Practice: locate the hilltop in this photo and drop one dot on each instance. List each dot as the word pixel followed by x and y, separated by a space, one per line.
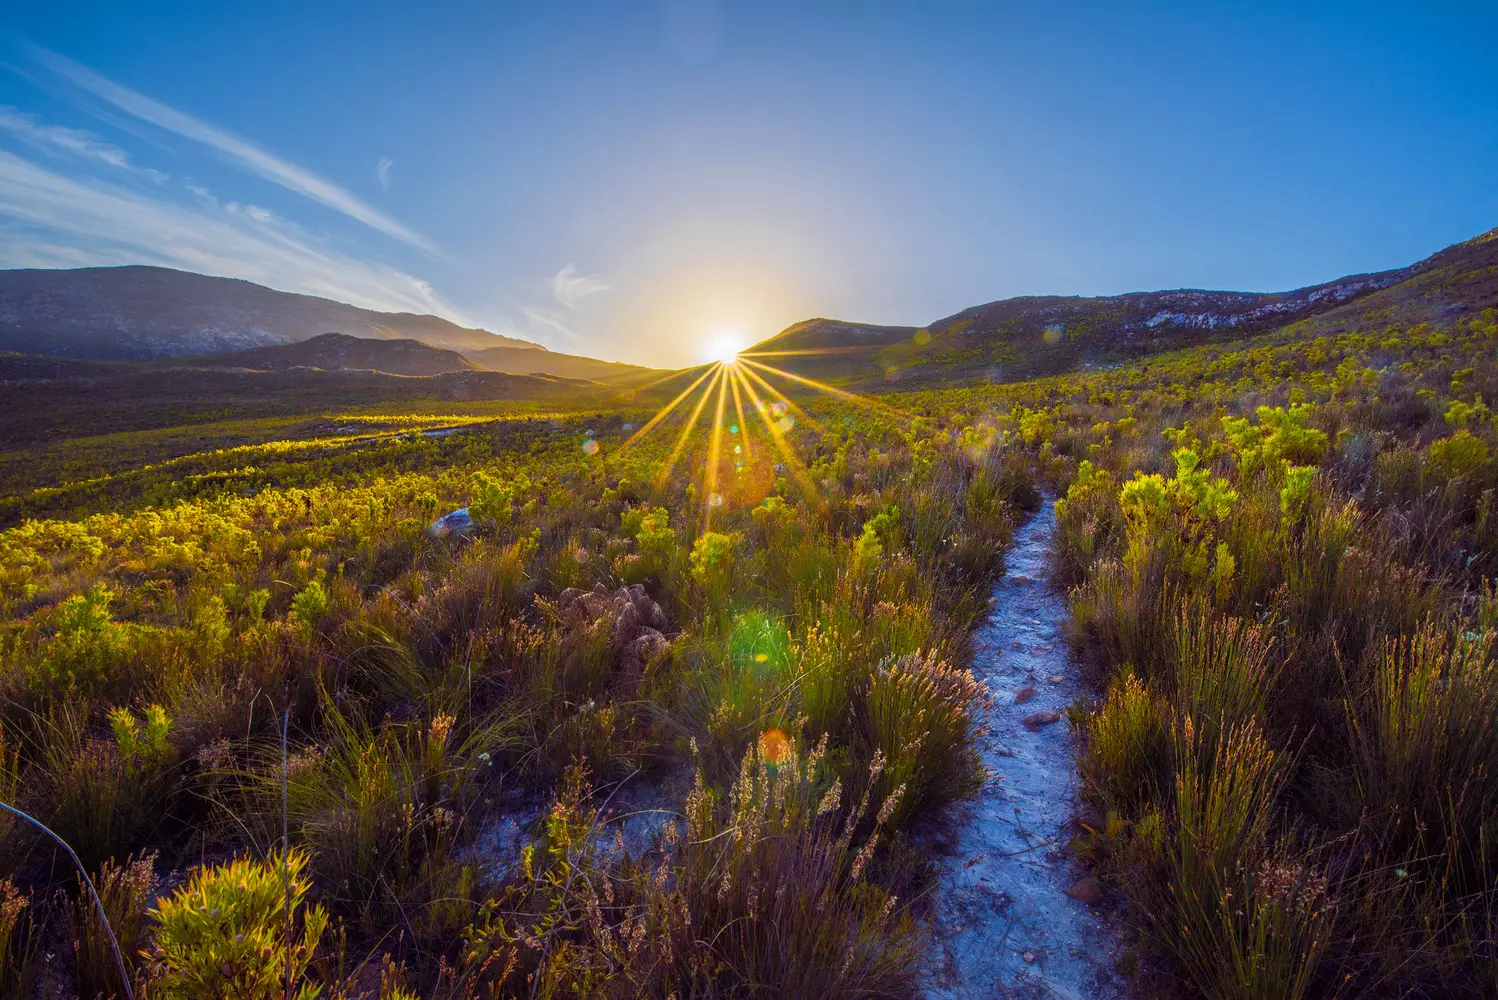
pixel 520 361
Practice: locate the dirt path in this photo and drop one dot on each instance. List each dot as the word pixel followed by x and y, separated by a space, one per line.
pixel 1006 926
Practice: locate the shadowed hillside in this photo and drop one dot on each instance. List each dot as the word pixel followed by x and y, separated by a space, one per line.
pixel 36 410
pixel 340 352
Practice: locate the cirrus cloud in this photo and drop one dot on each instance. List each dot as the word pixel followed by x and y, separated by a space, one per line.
pixel 570 288
pixel 48 219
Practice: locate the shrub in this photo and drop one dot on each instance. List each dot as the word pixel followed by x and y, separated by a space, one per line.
pixel 712 565
pixel 310 605
pixel 493 498
pixel 224 933
pixel 1089 523
pixel 1461 454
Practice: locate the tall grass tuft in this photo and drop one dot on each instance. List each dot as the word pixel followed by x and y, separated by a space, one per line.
pixel 923 718
pixel 1427 752
pixel 125 891
pixel 1225 670
pixel 20 944
pixel 1245 921
pixel 1126 761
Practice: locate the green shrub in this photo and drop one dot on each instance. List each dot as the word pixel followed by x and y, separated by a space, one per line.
pixel 1461 454
pixel 224 933
pixel 310 605
pixel 493 498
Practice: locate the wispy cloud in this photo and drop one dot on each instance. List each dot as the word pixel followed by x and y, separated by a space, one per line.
pixel 77 142
pixel 48 219
pixel 235 148
pixel 551 321
pixel 382 170
pixel 570 288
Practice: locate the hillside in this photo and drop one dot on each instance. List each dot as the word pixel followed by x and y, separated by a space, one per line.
pixel 1030 336
pixel 341 352
pixel 153 312
pixel 522 361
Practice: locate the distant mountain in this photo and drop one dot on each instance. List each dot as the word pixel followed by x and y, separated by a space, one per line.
pixel 155 312
pixel 340 352
pixel 521 361
pixel 1038 335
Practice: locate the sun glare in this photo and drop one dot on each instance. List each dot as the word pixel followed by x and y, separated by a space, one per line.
pixel 731 383
pixel 724 348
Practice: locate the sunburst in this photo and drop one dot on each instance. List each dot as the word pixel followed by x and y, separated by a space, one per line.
pixel 742 377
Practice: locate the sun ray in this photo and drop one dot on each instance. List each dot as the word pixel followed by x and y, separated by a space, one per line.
pixel 666 410
pixel 807 352
pixel 792 462
pixel 823 387
pixel 686 431
pixel 667 377
pixel 780 397
pixel 738 407
pixel 715 449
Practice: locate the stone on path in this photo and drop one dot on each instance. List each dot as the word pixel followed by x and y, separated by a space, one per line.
pixel 1086 890
pixel 1035 720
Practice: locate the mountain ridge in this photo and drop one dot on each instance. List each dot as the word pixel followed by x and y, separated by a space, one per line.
pixel 1026 336
pixel 140 311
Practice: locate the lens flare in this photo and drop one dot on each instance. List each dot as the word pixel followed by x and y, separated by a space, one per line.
pixel 774 746
pixel 743 378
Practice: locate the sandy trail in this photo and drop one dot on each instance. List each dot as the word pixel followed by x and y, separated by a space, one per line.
pixel 1006 926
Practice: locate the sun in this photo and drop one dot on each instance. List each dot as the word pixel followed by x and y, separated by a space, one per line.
pixel 724 347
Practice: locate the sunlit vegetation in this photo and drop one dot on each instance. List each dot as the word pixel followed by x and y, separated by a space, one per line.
pixel 752 616
pixel 771 640
pixel 1283 557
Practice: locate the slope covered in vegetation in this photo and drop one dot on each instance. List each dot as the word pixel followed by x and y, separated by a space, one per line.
pixel 798 666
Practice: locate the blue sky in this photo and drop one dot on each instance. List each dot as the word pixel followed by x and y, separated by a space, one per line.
pixel 637 181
